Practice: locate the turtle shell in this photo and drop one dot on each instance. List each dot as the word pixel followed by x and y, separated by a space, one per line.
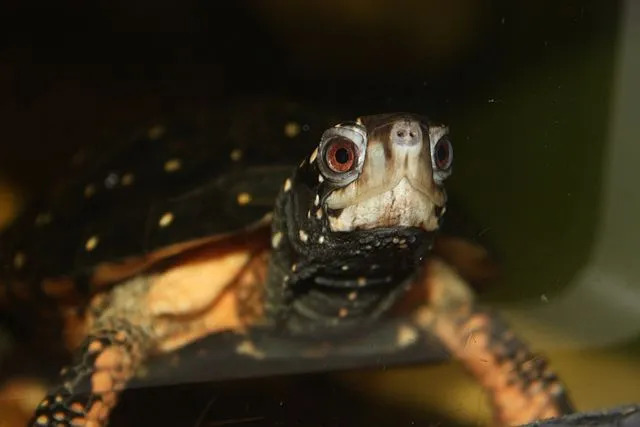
pixel 170 185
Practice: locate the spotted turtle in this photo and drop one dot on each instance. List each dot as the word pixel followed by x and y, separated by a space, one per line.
pixel 188 232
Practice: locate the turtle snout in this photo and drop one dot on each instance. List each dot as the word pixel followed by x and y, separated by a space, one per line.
pixel 406 132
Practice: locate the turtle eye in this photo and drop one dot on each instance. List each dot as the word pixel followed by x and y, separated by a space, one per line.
pixel 340 155
pixel 442 158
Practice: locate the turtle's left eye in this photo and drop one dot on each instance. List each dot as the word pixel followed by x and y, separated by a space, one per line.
pixel 340 154
pixel 442 158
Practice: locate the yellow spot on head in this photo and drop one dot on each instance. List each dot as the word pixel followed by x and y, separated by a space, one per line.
pixel 319 213
pixel 89 190
pixel 291 129
pixel 19 259
pixel 320 178
pixel 287 185
pixel 313 155
pixel 244 199
pixel 127 179
pixel 236 155
pixel 276 239
pixel 321 239
pixel 172 165
pixel 91 243
pixel 166 219
pixel 156 132
pixel 303 236
pixel 294 267
pixel 316 201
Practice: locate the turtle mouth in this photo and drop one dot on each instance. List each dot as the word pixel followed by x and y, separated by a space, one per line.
pixel 403 205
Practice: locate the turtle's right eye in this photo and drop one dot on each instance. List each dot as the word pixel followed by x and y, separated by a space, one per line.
pixel 341 154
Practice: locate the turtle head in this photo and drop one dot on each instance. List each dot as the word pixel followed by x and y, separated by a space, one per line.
pixel 356 219
pixel 373 185
pixel 384 171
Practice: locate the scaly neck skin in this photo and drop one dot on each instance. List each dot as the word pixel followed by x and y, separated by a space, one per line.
pixel 346 280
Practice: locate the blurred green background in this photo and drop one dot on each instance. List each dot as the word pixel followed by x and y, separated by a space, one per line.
pixel 528 88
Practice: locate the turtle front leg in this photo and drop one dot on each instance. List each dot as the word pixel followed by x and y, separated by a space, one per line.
pixel 88 388
pixel 520 386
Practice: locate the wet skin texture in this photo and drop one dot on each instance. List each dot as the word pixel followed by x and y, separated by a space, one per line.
pixel 345 253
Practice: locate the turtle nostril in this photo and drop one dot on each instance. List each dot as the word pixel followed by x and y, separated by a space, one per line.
pixel 406 132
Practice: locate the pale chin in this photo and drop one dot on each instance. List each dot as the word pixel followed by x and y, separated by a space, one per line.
pixel 402 206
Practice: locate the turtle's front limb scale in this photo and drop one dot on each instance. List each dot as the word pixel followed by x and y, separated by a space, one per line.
pixel 88 389
pixel 148 315
pixel 520 386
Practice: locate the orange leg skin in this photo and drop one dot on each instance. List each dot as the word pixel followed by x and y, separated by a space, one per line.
pixel 106 361
pixel 519 384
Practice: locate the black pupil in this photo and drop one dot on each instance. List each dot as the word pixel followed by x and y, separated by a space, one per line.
pixel 342 155
pixel 442 153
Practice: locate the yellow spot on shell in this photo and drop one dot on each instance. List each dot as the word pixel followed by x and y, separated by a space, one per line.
pixel 43 218
pixel 166 219
pixel 343 312
pixel 406 336
pixel 19 260
pixel 362 281
pixel 172 165
pixel 156 132
pixel 321 239
pixel 127 179
pixel 244 199
pixel 42 420
pixel 236 155
pixel 287 185
pixel 352 296
pixel 303 236
pixel 91 243
pixel 89 190
pixel 291 129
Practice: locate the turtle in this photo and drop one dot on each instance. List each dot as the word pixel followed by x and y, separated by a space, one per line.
pixel 329 254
